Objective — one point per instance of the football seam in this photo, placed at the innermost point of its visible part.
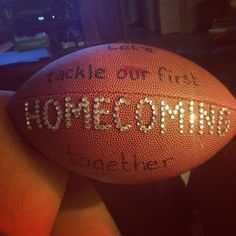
(97, 93)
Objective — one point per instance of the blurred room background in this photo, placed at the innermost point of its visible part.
(37, 32)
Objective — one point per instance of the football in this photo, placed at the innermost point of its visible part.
(125, 113)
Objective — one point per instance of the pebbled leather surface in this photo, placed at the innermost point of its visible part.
(134, 72)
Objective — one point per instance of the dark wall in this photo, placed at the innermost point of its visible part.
(102, 20)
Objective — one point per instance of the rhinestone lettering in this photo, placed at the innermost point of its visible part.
(58, 110)
(166, 110)
(116, 114)
(138, 116)
(102, 113)
(98, 111)
(35, 116)
(206, 117)
(72, 110)
(223, 123)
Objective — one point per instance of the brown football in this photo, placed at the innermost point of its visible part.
(125, 113)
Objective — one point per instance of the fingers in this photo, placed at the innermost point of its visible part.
(83, 212)
(31, 187)
(31, 190)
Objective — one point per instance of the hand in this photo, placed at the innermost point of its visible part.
(38, 198)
